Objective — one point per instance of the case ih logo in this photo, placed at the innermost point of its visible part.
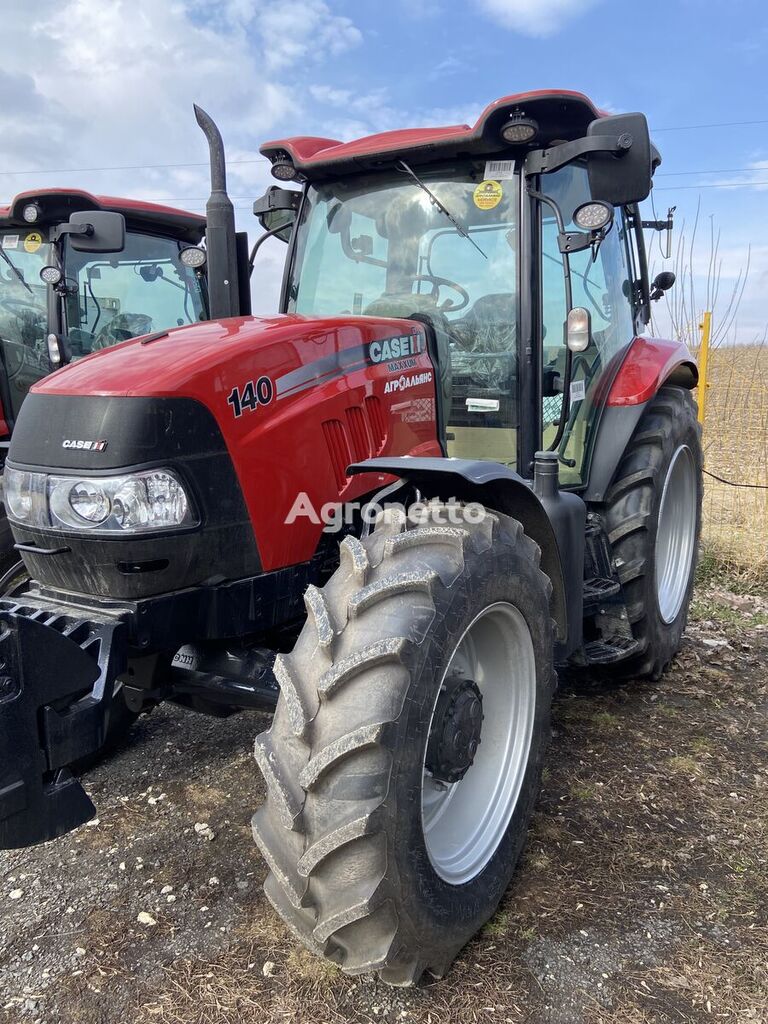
(396, 348)
(85, 446)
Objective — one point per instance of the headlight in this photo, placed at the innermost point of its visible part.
(133, 503)
(24, 495)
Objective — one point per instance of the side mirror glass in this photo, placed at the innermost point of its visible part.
(97, 231)
(277, 209)
(624, 178)
(578, 329)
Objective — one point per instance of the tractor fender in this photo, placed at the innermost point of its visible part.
(501, 489)
(648, 365)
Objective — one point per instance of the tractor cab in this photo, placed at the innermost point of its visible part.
(80, 273)
(491, 237)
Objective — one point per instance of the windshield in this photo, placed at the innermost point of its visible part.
(143, 289)
(380, 239)
(379, 245)
(23, 311)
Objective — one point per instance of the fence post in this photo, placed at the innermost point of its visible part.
(706, 331)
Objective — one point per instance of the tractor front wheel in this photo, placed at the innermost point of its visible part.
(405, 754)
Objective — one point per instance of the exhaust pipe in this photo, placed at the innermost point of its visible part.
(223, 282)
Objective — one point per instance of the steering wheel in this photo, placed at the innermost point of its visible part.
(437, 282)
(121, 327)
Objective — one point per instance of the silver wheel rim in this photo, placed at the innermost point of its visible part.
(676, 533)
(464, 823)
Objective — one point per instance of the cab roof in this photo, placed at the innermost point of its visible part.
(56, 204)
(560, 114)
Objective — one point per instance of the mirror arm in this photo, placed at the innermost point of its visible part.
(258, 243)
(84, 230)
(544, 161)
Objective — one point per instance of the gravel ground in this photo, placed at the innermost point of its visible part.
(641, 898)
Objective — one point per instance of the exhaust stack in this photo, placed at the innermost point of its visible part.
(223, 290)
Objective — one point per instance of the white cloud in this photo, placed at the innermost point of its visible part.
(755, 177)
(94, 84)
(297, 30)
(534, 17)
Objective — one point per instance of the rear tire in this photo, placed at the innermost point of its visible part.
(653, 521)
(352, 871)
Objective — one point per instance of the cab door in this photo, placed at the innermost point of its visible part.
(603, 284)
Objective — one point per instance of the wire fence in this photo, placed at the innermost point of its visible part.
(735, 440)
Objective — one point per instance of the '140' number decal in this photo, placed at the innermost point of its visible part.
(251, 396)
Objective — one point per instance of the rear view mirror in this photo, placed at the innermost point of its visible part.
(623, 178)
(662, 283)
(276, 210)
(96, 231)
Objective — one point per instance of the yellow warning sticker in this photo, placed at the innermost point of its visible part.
(487, 195)
(33, 241)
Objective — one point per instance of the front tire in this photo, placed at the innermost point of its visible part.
(653, 520)
(364, 866)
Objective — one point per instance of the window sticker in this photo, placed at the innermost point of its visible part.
(487, 195)
(499, 169)
(10, 241)
(578, 390)
(33, 241)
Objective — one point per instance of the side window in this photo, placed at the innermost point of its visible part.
(23, 313)
(344, 265)
(604, 287)
(142, 289)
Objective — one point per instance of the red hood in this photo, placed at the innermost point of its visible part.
(203, 358)
(297, 399)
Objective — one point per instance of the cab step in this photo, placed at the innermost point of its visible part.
(617, 648)
(598, 590)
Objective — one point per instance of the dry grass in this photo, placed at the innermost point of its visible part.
(736, 448)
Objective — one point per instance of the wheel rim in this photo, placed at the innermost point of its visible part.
(676, 533)
(464, 822)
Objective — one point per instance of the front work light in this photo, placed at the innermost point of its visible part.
(50, 275)
(193, 256)
(593, 215)
(519, 129)
(283, 170)
(31, 213)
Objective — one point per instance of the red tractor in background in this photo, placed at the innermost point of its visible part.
(460, 347)
(79, 273)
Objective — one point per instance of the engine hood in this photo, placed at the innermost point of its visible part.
(278, 406)
(208, 359)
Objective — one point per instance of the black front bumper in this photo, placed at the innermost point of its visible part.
(62, 654)
(57, 678)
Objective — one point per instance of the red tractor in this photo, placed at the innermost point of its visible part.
(451, 466)
(79, 273)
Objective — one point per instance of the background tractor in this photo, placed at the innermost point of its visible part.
(79, 273)
(461, 337)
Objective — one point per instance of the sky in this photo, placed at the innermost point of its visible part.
(98, 95)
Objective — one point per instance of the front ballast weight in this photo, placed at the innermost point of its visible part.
(57, 680)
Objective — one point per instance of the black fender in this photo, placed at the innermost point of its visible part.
(502, 489)
(615, 429)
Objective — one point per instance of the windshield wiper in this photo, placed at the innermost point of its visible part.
(15, 269)
(456, 223)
